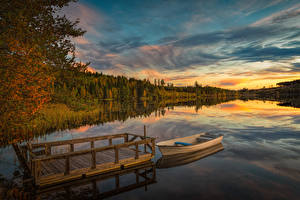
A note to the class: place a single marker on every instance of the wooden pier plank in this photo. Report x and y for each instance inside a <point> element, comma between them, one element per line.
<point>84,161</point>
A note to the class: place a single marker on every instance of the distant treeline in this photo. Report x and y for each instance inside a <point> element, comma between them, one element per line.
<point>288,93</point>
<point>106,87</point>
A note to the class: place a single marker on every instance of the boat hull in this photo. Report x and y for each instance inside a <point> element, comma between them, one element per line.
<point>169,161</point>
<point>172,150</point>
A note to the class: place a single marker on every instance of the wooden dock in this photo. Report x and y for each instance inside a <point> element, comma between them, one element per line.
<point>55,162</point>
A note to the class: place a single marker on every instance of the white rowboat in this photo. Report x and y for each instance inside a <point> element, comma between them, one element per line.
<point>186,158</point>
<point>191,143</point>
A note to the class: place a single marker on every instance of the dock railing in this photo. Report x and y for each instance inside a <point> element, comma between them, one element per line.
<point>37,155</point>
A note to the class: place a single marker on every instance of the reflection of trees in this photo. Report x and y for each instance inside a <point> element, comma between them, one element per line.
<point>95,187</point>
<point>9,188</point>
<point>105,111</point>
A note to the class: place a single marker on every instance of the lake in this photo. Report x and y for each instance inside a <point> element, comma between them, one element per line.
<point>260,159</point>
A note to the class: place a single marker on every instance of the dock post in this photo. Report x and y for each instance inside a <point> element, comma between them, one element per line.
<point>67,165</point>
<point>137,176</point>
<point>117,181</point>
<point>31,163</point>
<point>125,138</point>
<point>145,145</point>
<point>95,189</point>
<point>37,171</point>
<point>154,172</point>
<point>93,159</point>
<point>22,158</point>
<point>47,150</point>
<point>72,147</point>
<point>136,151</point>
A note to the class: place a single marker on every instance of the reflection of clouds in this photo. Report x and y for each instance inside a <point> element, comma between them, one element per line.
<point>154,118</point>
<point>280,168</point>
<point>261,150</point>
<point>266,148</point>
<point>234,107</point>
<point>211,178</point>
<point>81,129</point>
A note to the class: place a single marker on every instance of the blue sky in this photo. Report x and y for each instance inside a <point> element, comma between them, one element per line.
<point>231,44</point>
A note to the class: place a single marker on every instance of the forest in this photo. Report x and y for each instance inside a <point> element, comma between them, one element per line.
<point>88,87</point>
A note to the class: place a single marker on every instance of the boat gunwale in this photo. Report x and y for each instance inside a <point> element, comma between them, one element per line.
<point>189,146</point>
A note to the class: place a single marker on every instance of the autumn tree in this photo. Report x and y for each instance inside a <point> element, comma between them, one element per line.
<point>35,49</point>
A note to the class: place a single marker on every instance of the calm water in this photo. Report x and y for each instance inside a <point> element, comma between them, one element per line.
<point>260,160</point>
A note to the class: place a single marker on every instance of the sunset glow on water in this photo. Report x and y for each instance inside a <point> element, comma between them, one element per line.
<point>261,150</point>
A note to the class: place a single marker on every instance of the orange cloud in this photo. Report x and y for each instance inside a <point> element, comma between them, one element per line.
<point>234,107</point>
<point>150,47</point>
<point>81,129</point>
<point>111,55</point>
<point>81,40</point>
<point>90,19</point>
<point>91,69</point>
<point>151,73</point>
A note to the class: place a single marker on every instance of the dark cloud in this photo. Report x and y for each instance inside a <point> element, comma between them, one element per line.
<point>286,15</point>
<point>186,52</point>
<point>253,33</point>
<point>120,46</point>
<point>296,67</point>
<point>249,34</point>
<point>195,57</point>
<point>200,39</point>
<point>178,51</point>
<point>169,58</point>
<point>259,53</point>
<point>292,43</point>
<point>294,35</point>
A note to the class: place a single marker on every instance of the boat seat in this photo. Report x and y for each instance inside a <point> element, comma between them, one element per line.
<point>208,136</point>
<point>182,143</point>
<point>202,139</point>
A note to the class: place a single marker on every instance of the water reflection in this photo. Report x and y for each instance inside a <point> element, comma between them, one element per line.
<point>260,160</point>
<point>96,187</point>
<point>105,112</point>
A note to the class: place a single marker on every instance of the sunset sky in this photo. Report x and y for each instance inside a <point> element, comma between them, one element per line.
<point>229,44</point>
